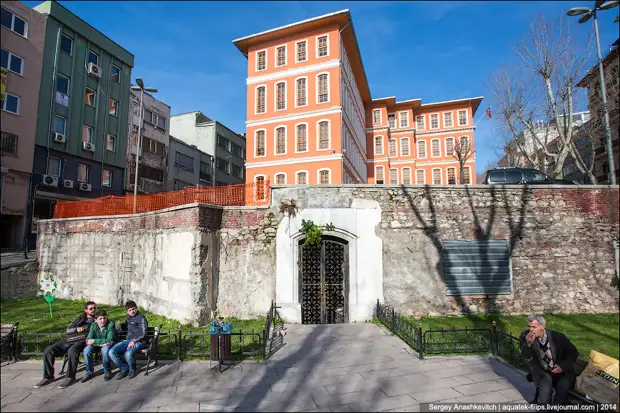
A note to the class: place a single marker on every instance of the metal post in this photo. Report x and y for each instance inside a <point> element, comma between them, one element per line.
<point>393,321</point>
<point>179,344</point>
<point>139,145</point>
<point>420,341</point>
<point>608,144</point>
<point>494,348</point>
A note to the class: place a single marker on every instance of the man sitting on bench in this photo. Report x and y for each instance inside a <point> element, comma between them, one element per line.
<point>101,337</point>
<point>552,357</point>
<point>137,330</point>
<point>72,345</point>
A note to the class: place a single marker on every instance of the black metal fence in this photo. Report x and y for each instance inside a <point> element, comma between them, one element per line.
<point>451,341</point>
<point>175,344</point>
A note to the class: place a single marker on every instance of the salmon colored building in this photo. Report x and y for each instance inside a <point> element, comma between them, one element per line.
<point>311,118</point>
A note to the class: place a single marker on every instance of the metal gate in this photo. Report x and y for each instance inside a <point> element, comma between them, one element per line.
<point>323,282</point>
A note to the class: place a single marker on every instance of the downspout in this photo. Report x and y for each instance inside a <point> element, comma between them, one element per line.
<point>52,100</point>
<point>105,126</point>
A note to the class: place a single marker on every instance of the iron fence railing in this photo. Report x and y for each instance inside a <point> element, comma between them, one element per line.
<point>403,327</point>
<point>175,344</point>
<point>458,340</point>
<point>451,341</point>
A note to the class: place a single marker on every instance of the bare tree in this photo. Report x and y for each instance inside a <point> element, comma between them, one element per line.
<point>535,98</point>
<point>462,153</point>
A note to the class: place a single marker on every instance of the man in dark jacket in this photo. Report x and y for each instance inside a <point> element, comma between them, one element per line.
<point>137,329</point>
<point>552,358</point>
<point>72,345</point>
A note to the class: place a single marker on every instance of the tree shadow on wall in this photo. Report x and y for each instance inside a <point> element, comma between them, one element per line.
<point>482,230</point>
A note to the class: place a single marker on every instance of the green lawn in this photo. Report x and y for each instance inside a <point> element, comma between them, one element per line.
<point>34,317</point>
<point>600,332</point>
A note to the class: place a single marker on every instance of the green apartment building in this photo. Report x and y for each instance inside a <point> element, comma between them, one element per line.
<point>81,133</point>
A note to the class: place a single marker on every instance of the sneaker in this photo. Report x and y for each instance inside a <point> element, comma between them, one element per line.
<point>87,377</point>
<point>43,382</point>
<point>132,374</point>
<point>107,376</point>
<point>122,374</point>
<point>66,383</point>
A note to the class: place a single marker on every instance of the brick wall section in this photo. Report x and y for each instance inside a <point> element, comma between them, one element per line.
<point>179,217</point>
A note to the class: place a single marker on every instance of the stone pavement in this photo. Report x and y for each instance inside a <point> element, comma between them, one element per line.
<point>352,367</point>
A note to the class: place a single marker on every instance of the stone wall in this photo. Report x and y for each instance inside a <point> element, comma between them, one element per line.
<point>189,261</point>
<point>19,280</point>
<point>161,260</point>
<point>561,240</point>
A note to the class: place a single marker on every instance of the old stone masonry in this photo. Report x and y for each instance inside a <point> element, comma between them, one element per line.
<point>398,244</point>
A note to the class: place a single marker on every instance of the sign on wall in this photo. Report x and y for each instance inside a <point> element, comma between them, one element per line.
<point>62,99</point>
<point>4,72</point>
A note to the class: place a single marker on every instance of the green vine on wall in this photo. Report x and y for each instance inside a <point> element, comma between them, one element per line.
<point>313,232</point>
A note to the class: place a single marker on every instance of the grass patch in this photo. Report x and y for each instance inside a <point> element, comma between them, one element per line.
<point>34,317</point>
<point>587,332</point>
<point>600,332</point>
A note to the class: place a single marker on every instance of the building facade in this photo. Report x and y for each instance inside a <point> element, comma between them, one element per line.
<point>23,35</point>
<point>155,139</point>
<point>611,73</point>
<point>213,138</point>
<point>311,118</point>
<point>188,166</point>
<point>81,134</point>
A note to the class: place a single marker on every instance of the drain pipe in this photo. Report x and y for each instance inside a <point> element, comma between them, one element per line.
<point>52,100</point>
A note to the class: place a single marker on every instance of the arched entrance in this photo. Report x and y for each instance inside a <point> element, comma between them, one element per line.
<point>324,281</point>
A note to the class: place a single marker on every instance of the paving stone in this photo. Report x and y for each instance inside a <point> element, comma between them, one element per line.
<point>479,388</point>
<point>463,379</point>
<point>483,376</point>
<point>15,397</point>
<point>181,407</point>
<point>209,395</point>
<point>354,367</point>
<point>328,399</point>
<point>513,394</point>
<point>384,404</point>
<point>411,408</point>
<point>435,395</point>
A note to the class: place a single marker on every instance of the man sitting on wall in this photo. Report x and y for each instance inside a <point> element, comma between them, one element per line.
<point>552,357</point>
<point>101,337</point>
<point>72,345</point>
<point>137,328</point>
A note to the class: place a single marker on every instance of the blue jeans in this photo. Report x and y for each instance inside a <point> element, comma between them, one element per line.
<point>89,351</point>
<point>130,362</point>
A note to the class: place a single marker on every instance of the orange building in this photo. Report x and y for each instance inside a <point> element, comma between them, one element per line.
<point>311,118</point>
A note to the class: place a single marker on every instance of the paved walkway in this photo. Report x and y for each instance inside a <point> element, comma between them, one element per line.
<point>355,367</point>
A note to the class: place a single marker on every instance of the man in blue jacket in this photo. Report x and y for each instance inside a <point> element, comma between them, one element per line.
<point>137,329</point>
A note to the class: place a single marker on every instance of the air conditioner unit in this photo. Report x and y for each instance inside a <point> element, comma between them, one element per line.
<point>85,187</point>
<point>50,180</point>
<point>60,138</point>
<point>87,146</point>
<point>94,70</point>
<point>67,183</point>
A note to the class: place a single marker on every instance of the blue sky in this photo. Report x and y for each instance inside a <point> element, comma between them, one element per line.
<point>185,48</point>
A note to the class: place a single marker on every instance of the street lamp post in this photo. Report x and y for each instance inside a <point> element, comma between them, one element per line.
<point>141,88</point>
<point>588,13</point>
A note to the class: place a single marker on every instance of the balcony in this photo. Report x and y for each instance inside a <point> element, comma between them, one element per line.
<point>147,186</point>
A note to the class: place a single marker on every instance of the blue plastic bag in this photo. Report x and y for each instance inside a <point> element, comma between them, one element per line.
<point>226,327</point>
<point>214,328</point>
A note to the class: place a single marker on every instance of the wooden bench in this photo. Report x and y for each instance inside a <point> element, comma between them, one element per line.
<point>8,340</point>
<point>150,350</point>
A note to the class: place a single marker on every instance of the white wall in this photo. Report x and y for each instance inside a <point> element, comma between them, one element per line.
<point>355,225</point>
